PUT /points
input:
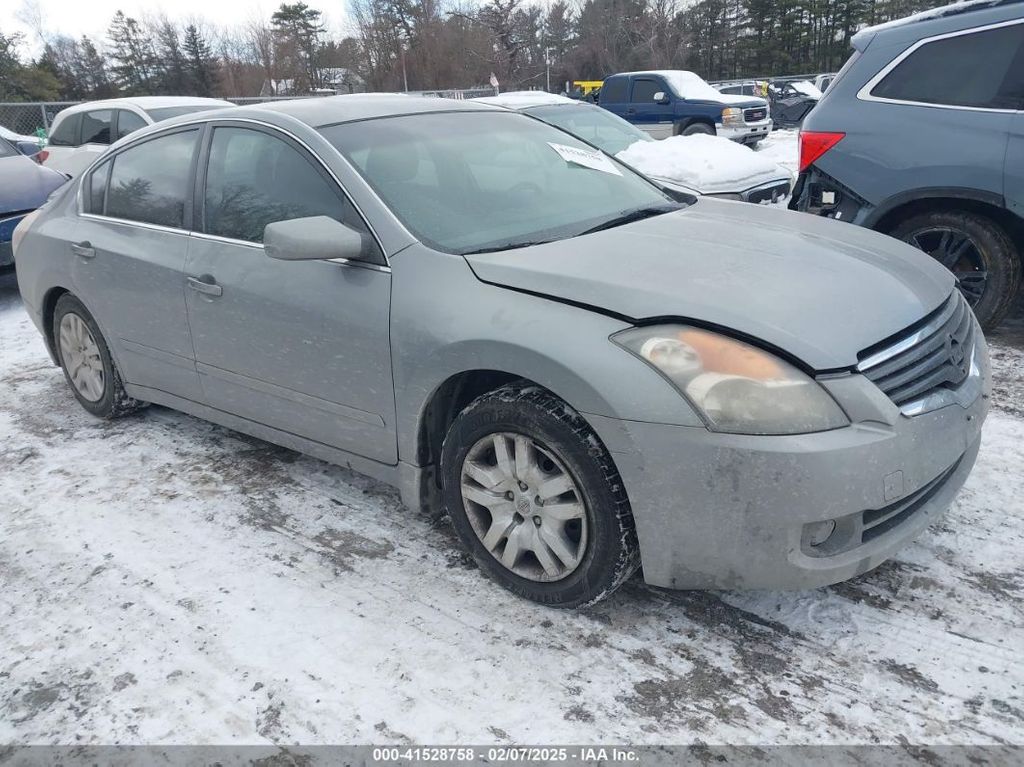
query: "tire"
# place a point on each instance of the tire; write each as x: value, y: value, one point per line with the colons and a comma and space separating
x: 990, y: 252
x: 695, y: 128
x: 601, y: 539
x: 109, y: 399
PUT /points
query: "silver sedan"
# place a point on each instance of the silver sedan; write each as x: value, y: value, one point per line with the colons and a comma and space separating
x: 587, y: 375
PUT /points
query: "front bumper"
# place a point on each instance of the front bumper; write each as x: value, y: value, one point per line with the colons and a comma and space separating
x: 732, y: 511
x: 748, y: 133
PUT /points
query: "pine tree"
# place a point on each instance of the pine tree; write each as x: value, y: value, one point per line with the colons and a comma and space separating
x: 200, y: 63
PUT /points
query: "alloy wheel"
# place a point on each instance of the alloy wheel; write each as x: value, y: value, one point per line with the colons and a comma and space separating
x: 958, y: 252
x: 524, y: 506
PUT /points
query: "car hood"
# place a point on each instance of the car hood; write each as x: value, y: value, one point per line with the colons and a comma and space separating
x: 818, y: 289
x: 24, y: 184
x: 746, y: 102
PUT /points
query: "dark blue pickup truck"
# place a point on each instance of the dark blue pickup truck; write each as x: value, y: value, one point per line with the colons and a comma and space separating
x: 675, y: 102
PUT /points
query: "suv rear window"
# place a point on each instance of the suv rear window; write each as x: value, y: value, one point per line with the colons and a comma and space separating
x: 67, y: 132
x: 977, y: 69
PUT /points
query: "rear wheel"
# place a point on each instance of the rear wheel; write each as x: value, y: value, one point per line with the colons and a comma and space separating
x: 536, y: 499
x: 976, y: 250
x: 694, y: 128
x: 86, y: 361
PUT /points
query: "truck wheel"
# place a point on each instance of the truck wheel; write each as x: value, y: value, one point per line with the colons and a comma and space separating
x: 536, y: 499
x: 694, y: 128
x: 978, y: 252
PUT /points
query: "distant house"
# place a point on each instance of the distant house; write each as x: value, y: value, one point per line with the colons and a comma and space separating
x: 336, y: 80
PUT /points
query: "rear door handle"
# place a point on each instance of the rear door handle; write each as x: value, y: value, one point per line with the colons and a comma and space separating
x: 205, y: 284
x: 83, y: 249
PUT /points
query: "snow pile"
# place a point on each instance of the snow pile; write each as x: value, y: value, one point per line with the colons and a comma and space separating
x: 705, y: 163
x: 523, y: 99
x: 807, y: 89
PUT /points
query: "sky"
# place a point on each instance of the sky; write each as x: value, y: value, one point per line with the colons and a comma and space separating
x: 78, y: 17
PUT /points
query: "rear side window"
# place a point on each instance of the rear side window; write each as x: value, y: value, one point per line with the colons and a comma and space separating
x: 614, y: 90
x: 978, y: 69
x: 96, y: 126
x: 150, y: 181
x: 644, y: 90
x: 128, y: 122
x: 255, y: 179
x: 67, y: 131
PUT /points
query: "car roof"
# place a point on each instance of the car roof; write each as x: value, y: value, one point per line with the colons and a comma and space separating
x: 146, y: 102
x: 527, y: 99
x: 946, y: 18
x: 321, y: 111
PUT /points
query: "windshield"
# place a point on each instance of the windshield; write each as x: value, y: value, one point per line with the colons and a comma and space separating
x: 471, y: 181
x: 594, y: 125
x: 166, y: 113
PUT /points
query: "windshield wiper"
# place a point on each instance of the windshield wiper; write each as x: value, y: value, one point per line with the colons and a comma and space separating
x: 629, y: 216
x: 513, y: 245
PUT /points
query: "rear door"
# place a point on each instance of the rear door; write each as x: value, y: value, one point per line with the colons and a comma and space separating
x: 129, y: 258
x: 647, y: 113
x: 301, y: 346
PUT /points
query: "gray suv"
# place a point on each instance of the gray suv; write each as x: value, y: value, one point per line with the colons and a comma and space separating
x: 921, y: 136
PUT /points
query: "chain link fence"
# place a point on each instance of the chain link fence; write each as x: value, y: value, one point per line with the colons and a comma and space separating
x: 34, y: 118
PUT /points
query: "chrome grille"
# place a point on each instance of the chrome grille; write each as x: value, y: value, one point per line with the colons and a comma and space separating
x: 755, y: 115
x: 933, y: 353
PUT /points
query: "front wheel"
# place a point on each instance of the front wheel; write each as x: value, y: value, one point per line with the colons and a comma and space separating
x: 535, y: 498
x: 694, y: 129
x: 978, y: 253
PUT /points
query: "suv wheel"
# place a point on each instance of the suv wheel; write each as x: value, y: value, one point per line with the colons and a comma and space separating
x: 536, y: 499
x: 978, y: 252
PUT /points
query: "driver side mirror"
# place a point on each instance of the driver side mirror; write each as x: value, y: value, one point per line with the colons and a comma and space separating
x: 312, y: 239
x: 660, y: 98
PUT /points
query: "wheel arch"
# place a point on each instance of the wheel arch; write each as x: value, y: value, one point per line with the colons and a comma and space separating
x: 49, y: 308
x: 685, y: 122
x: 890, y: 213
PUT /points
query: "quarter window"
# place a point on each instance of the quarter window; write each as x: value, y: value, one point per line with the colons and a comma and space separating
x: 149, y: 182
x: 96, y: 127
x: 96, y: 189
x: 255, y: 179
x: 128, y: 122
x: 67, y: 131
x: 980, y: 69
x: 644, y: 90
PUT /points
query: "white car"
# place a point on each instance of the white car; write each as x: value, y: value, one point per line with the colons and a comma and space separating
x: 15, y: 138
x: 700, y: 164
x: 81, y: 133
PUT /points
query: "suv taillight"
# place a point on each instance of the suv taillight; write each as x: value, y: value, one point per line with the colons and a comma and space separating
x: 40, y: 156
x: 813, y: 144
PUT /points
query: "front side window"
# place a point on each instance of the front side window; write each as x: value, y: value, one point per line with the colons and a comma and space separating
x: 96, y: 127
x: 255, y: 179
x: 644, y: 90
x: 471, y: 181
x: 149, y: 182
x: 980, y: 69
x: 67, y: 131
x: 128, y: 122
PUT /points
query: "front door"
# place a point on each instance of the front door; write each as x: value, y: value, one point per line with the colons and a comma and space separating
x: 648, y: 114
x: 301, y: 346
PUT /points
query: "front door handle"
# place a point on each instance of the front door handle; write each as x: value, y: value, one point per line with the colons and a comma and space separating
x: 205, y: 284
x: 83, y: 249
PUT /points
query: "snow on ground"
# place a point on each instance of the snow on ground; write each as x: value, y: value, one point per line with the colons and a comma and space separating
x: 781, y: 147
x: 705, y: 163
x: 164, y: 580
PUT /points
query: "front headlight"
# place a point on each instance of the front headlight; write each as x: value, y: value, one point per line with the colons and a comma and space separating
x: 736, y: 387
x: 732, y: 116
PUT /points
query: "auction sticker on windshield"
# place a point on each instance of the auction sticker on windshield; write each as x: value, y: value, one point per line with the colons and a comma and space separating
x: 587, y: 159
